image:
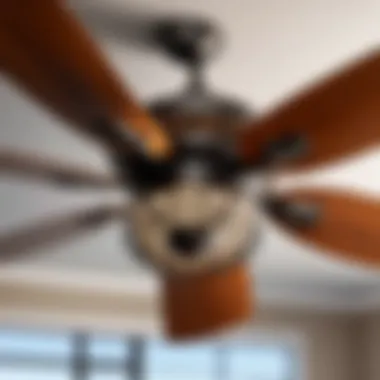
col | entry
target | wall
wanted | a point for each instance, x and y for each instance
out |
(326, 341)
(334, 346)
(371, 333)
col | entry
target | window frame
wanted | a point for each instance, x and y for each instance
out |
(133, 367)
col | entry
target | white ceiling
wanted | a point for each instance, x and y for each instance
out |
(272, 48)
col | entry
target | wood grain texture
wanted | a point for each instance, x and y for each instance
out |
(338, 117)
(63, 51)
(348, 227)
(200, 306)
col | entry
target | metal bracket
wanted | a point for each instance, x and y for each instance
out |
(287, 148)
(191, 41)
(297, 214)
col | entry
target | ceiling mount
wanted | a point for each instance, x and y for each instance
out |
(193, 42)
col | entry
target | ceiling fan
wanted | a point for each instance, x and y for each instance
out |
(186, 160)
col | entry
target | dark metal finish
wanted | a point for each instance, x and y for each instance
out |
(80, 363)
(202, 103)
(142, 174)
(298, 215)
(135, 364)
(218, 166)
(286, 148)
(186, 241)
(191, 41)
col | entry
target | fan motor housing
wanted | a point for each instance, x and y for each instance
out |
(190, 214)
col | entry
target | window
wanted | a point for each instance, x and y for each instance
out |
(228, 361)
(26, 355)
(37, 355)
(180, 362)
(260, 362)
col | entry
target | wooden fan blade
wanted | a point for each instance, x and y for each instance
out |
(20, 66)
(17, 244)
(57, 41)
(54, 92)
(346, 224)
(336, 118)
(203, 305)
(26, 165)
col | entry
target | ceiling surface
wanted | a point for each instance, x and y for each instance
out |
(272, 48)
